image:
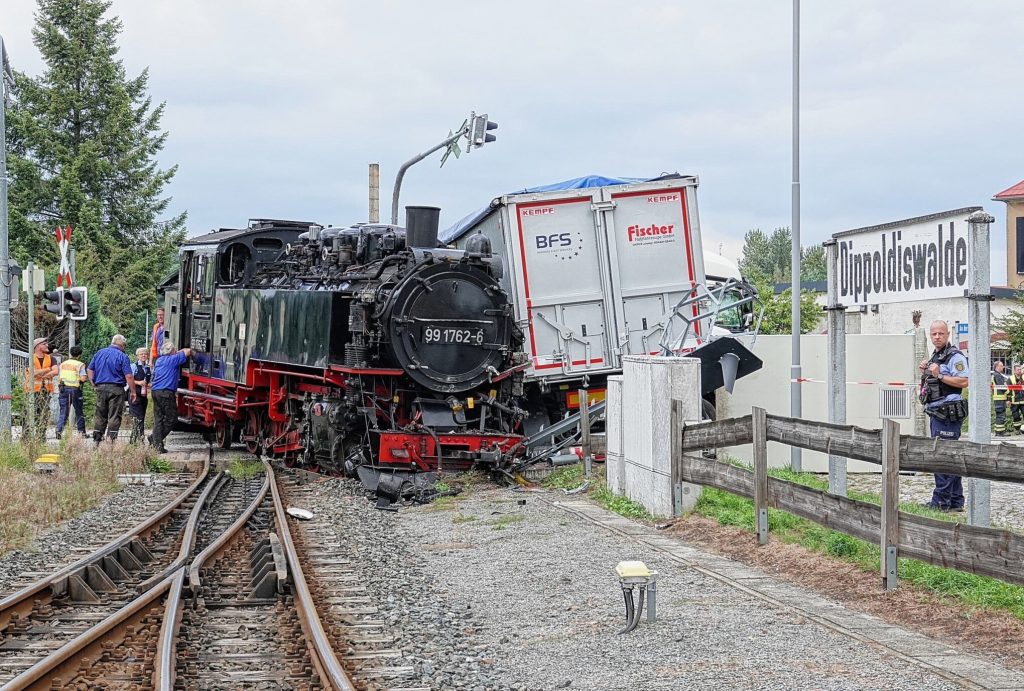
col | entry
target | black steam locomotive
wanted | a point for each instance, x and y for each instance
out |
(349, 349)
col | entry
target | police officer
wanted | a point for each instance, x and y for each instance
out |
(943, 378)
(71, 375)
(1000, 395)
(1017, 399)
(109, 371)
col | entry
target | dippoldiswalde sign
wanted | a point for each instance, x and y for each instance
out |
(918, 258)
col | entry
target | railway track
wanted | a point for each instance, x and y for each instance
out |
(39, 618)
(231, 610)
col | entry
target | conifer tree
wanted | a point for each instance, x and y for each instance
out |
(83, 138)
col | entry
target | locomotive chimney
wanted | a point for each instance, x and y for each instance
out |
(421, 224)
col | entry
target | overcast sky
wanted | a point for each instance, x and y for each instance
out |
(275, 109)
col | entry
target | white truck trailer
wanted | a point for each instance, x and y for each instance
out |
(597, 269)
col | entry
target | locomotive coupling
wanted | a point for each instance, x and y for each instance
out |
(635, 574)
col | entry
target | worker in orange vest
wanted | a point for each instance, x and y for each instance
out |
(157, 341)
(41, 382)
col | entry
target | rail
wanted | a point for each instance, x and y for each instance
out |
(175, 584)
(984, 551)
(126, 547)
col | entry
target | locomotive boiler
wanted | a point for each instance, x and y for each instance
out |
(353, 349)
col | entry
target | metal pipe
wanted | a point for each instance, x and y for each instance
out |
(411, 162)
(796, 405)
(5, 261)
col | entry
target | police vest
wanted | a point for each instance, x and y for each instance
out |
(941, 389)
(35, 385)
(69, 373)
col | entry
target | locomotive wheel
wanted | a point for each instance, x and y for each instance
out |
(224, 434)
(251, 432)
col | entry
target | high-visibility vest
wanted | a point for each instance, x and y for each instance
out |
(36, 384)
(70, 373)
(999, 380)
(156, 342)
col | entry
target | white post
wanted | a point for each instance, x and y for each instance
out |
(836, 367)
(980, 413)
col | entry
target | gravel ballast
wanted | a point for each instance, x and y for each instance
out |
(488, 593)
(72, 539)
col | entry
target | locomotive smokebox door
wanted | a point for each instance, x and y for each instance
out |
(448, 326)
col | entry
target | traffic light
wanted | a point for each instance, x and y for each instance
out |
(76, 303)
(54, 302)
(479, 126)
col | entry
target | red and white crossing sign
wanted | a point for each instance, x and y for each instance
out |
(63, 242)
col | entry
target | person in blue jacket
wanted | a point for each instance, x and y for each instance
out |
(164, 389)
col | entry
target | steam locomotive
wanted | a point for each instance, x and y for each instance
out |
(352, 349)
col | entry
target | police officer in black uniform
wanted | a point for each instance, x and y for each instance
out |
(943, 379)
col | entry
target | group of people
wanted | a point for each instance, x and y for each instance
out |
(1005, 393)
(115, 379)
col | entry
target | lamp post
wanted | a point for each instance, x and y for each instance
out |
(6, 79)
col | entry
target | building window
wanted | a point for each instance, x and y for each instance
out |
(1020, 245)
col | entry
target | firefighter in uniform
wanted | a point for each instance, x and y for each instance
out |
(999, 397)
(72, 374)
(1017, 400)
(42, 385)
(943, 378)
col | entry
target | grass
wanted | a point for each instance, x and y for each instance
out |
(30, 502)
(243, 470)
(571, 477)
(463, 518)
(502, 522)
(956, 586)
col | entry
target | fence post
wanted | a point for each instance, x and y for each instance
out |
(585, 430)
(760, 422)
(675, 433)
(890, 532)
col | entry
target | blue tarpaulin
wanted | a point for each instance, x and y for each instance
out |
(465, 224)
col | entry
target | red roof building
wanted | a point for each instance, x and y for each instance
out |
(1015, 192)
(1014, 199)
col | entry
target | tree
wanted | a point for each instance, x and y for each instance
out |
(1012, 324)
(768, 258)
(83, 139)
(777, 317)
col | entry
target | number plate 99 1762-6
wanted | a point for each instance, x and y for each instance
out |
(444, 335)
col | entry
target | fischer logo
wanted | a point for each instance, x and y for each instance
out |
(544, 211)
(649, 235)
(662, 198)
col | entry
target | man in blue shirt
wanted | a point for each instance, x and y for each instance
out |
(164, 388)
(944, 377)
(109, 371)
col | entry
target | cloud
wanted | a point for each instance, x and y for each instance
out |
(276, 110)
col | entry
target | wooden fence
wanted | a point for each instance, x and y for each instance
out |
(985, 551)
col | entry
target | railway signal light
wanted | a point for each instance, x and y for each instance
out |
(479, 126)
(54, 302)
(76, 303)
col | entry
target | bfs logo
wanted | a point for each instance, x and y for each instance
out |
(565, 245)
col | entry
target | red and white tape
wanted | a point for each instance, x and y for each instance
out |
(801, 380)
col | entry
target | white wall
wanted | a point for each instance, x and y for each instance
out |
(884, 358)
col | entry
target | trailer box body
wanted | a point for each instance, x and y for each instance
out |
(595, 273)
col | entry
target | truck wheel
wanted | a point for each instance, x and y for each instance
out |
(707, 409)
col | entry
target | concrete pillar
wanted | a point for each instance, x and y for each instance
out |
(614, 461)
(649, 383)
